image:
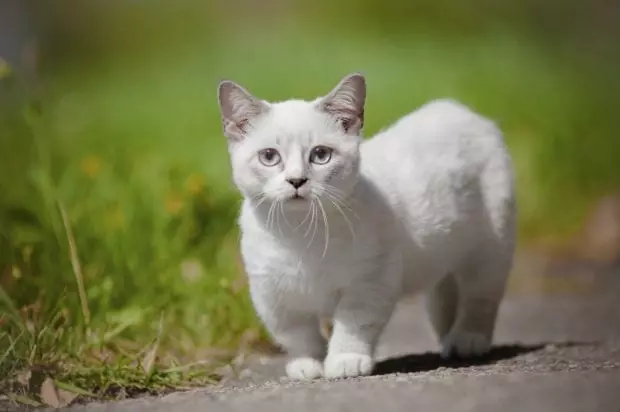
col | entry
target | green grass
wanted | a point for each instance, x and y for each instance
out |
(118, 235)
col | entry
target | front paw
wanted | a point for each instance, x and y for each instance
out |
(304, 369)
(347, 365)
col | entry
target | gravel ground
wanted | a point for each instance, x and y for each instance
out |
(554, 352)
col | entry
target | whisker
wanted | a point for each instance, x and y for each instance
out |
(261, 197)
(325, 221)
(311, 212)
(315, 219)
(344, 215)
(286, 221)
(279, 212)
(270, 215)
(305, 217)
(339, 193)
(342, 201)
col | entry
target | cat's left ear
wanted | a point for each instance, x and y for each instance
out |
(346, 103)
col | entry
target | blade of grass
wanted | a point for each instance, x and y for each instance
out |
(11, 347)
(49, 325)
(13, 314)
(72, 388)
(75, 263)
(186, 367)
(24, 400)
(148, 363)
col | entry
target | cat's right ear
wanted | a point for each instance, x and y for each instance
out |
(346, 103)
(238, 109)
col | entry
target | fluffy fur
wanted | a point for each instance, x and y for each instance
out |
(426, 205)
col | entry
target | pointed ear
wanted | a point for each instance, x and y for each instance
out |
(238, 109)
(346, 103)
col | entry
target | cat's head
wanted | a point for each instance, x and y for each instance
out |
(294, 151)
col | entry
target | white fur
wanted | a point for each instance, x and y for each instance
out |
(426, 205)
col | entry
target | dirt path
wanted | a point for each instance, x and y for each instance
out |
(555, 352)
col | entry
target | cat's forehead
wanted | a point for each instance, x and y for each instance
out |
(295, 119)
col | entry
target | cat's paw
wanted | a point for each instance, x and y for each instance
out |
(304, 369)
(347, 365)
(464, 344)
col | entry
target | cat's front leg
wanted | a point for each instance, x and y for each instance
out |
(300, 336)
(297, 332)
(360, 317)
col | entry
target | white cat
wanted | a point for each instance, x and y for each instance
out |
(333, 227)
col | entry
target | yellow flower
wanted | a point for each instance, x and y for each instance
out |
(91, 166)
(195, 183)
(174, 204)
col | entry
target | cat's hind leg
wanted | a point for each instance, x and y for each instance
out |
(480, 289)
(441, 304)
(481, 275)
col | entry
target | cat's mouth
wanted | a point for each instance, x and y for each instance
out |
(297, 198)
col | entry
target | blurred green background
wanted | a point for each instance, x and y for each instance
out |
(116, 204)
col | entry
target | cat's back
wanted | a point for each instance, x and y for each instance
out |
(440, 136)
(437, 167)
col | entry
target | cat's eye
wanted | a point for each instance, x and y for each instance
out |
(269, 157)
(320, 155)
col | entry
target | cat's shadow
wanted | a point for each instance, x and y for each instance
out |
(430, 361)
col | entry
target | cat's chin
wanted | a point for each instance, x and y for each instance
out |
(297, 203)
(297, 200)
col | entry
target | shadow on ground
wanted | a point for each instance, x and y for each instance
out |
(430, 361)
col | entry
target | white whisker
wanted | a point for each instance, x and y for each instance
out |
(325, 221)
(270, 215)
(305, 217)
(344, 215)
(311, 212)
(339, 197)
(279, 212)
(315, 220)
(261, 197)
(286, 221)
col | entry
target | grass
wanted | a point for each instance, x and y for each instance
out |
(118, 252)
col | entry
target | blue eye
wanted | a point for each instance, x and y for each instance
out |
(320, 155)
(269, 157)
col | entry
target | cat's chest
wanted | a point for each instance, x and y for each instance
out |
(309, 279)
(312, 256)
(315, 270)
(313, 287)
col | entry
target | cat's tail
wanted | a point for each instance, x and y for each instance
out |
(498, 193)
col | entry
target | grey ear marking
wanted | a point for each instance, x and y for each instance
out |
(238, 109)
(346, 103)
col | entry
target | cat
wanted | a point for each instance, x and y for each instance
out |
(336, 227)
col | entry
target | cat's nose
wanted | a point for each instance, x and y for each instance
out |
(297, 183)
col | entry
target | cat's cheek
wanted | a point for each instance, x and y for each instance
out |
(248, 182)
(276, 187)
(342, 176)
